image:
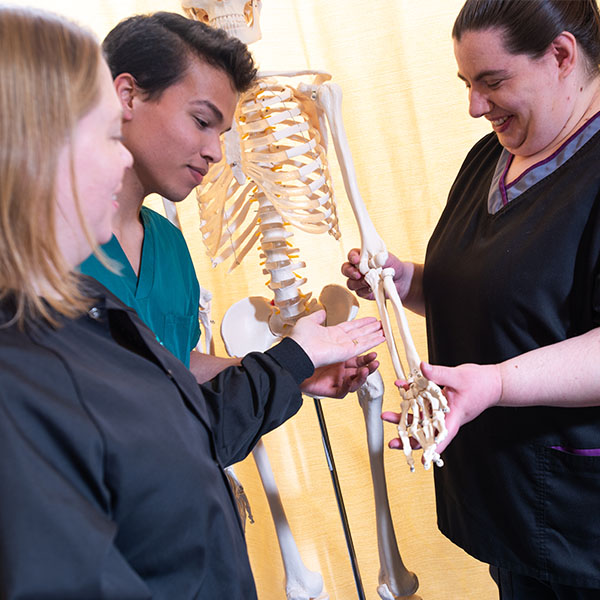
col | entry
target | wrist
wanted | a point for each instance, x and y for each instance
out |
(499, 384)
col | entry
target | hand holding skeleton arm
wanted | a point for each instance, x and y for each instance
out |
(423, 404)
(529, 379)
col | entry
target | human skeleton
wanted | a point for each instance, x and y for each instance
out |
(275, 158)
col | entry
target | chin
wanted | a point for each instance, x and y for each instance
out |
(177, 197)
(104, 237)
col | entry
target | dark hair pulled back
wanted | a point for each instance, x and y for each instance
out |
(530, 26)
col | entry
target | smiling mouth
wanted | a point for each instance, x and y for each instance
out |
(497, 124)
(197, 174)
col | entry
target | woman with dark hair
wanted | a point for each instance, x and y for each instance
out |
(111, 456)
(511, 281)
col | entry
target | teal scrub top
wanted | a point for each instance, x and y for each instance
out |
(166, 294)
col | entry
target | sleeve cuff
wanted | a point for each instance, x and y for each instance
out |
(292, 358)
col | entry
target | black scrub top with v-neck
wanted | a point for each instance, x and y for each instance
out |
(520, 488)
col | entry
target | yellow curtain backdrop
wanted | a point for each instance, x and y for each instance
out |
(406, 118)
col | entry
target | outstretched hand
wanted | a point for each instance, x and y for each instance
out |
(339, 379)
(470, 389)
(338, 343)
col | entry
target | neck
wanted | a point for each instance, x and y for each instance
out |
(130, 199)
(587, 104)
(584, 105)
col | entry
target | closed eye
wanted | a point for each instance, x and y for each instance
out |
(201, 122)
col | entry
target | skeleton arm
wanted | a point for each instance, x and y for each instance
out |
(424, 399)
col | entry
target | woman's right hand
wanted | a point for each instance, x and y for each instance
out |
(403, 272)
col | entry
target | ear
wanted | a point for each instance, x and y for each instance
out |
(126, 91)
(566, 52)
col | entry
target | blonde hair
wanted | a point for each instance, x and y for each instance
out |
(48, 81)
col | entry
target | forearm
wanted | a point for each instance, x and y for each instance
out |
(206, 366)
(563, 374)
(248, 401)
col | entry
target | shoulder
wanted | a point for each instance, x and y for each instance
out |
(166, 240)
(159, 223)
(31, 372)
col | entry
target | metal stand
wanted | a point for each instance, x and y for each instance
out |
(340, 501)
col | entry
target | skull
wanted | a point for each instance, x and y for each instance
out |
(239, 18)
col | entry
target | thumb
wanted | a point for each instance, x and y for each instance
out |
(318, 317)
(440, 375)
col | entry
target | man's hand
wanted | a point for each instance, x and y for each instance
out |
(339, 379)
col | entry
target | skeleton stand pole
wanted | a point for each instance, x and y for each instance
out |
(340, 500)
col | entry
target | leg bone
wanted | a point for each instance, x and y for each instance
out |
(301, 583)
(255, 334)
(394, 579)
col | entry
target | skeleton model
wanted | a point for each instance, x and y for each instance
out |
(275, 160)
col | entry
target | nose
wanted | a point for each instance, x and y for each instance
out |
(211, 152)
(127, 157)
(479, 104)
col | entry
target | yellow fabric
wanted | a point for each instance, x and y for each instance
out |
(406, 118)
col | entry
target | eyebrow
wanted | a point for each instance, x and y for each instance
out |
(500, 73)
(216, 112)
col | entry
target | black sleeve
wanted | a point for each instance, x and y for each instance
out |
(57, 536)
(246, 402)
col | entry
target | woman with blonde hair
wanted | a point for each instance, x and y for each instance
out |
(111, 456)
(52, 75)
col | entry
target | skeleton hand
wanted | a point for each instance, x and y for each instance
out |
(422, 418)
(431, 427)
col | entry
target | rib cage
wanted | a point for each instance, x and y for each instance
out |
(276, 149)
